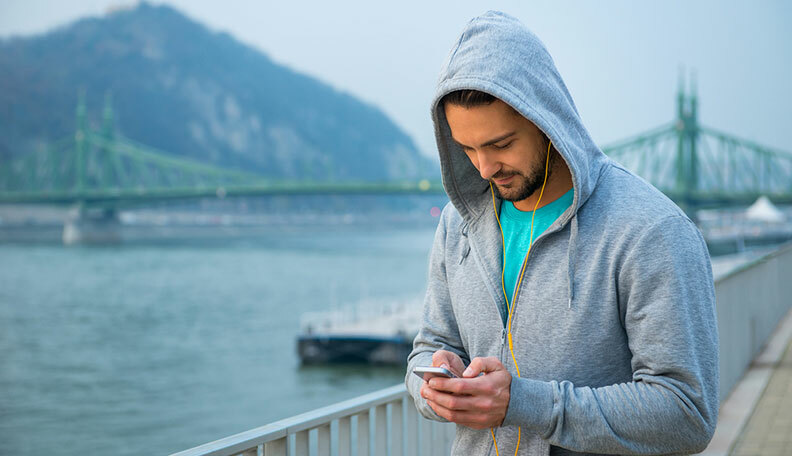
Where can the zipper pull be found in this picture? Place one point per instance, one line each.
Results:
(503, 337)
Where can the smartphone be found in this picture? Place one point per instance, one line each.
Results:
(427, 372)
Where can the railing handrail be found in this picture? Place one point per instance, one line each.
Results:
(750, 264)
(305, 421)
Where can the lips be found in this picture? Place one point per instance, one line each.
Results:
(503, 180)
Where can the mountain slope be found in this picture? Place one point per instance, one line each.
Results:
(183, 89)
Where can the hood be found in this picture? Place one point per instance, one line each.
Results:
(498, 55)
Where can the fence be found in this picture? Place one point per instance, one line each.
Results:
(751, 302)
(384, 422)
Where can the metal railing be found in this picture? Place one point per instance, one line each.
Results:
(751, 299)
(384, 422)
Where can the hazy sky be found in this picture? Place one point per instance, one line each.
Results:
(620, 59)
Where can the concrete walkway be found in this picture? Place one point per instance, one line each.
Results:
(756, 417)
(769, 430)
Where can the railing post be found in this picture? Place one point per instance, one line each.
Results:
(323, 440)
(301, 446)
(363, 434)
(411, 431)
(276, 447)
(344, 436)
(381, 430)
(425, 429)
(397, 427)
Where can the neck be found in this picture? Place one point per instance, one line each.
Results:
(559, 182)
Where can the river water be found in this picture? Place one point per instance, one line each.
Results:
(150, 348)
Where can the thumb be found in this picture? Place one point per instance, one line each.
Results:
(482, 365)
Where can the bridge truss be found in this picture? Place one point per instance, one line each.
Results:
(696, 166)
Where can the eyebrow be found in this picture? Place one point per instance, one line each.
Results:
(488, 143)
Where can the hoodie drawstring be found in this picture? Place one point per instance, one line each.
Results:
(467, 242)
(573, 235)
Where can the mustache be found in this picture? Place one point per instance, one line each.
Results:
(503, 175)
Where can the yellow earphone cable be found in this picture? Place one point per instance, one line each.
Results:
(519, 283)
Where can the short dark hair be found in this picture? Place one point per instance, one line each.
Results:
(467, 98)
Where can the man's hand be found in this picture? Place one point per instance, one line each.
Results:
(478, 402)
(449, 360)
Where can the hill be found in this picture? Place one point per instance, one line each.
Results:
(181, 88)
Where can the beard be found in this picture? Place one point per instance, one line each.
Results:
(523, 185)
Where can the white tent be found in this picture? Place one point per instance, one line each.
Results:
(765, 211)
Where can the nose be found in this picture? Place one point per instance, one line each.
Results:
(487, 167)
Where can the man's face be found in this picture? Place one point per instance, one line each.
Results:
(506, 148)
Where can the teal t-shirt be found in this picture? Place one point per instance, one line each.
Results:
(516, 226)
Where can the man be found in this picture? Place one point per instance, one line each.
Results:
(574, 299)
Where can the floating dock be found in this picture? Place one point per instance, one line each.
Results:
(371, 335)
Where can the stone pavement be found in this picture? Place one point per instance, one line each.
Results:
(769, 429)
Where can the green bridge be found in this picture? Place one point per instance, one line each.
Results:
(98, 172)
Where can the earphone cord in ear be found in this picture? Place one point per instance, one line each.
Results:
(519, 283)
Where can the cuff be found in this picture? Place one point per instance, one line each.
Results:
(530, 405)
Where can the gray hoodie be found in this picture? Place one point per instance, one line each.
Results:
(614, 326)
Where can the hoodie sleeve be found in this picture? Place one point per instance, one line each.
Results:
(666, 288)
(439, 329)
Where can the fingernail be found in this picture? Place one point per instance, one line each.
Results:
(444, 366)
(467, 372)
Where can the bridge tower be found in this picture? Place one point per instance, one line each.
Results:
(85, 224)
(79, 143)
(687, 131)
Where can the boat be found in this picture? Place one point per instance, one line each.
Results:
(380, 335)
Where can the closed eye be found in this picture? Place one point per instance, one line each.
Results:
(502, 146)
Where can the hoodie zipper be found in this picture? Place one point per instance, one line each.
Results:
(524, 268)
(503, 344)
(504, 332)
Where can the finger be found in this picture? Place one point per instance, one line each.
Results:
(448, 357)
(483, 365)
(459, 403)
(449, 360)
(439, 357)
(441, 411)
(472, 419)
(461, 386)
(490, 385)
